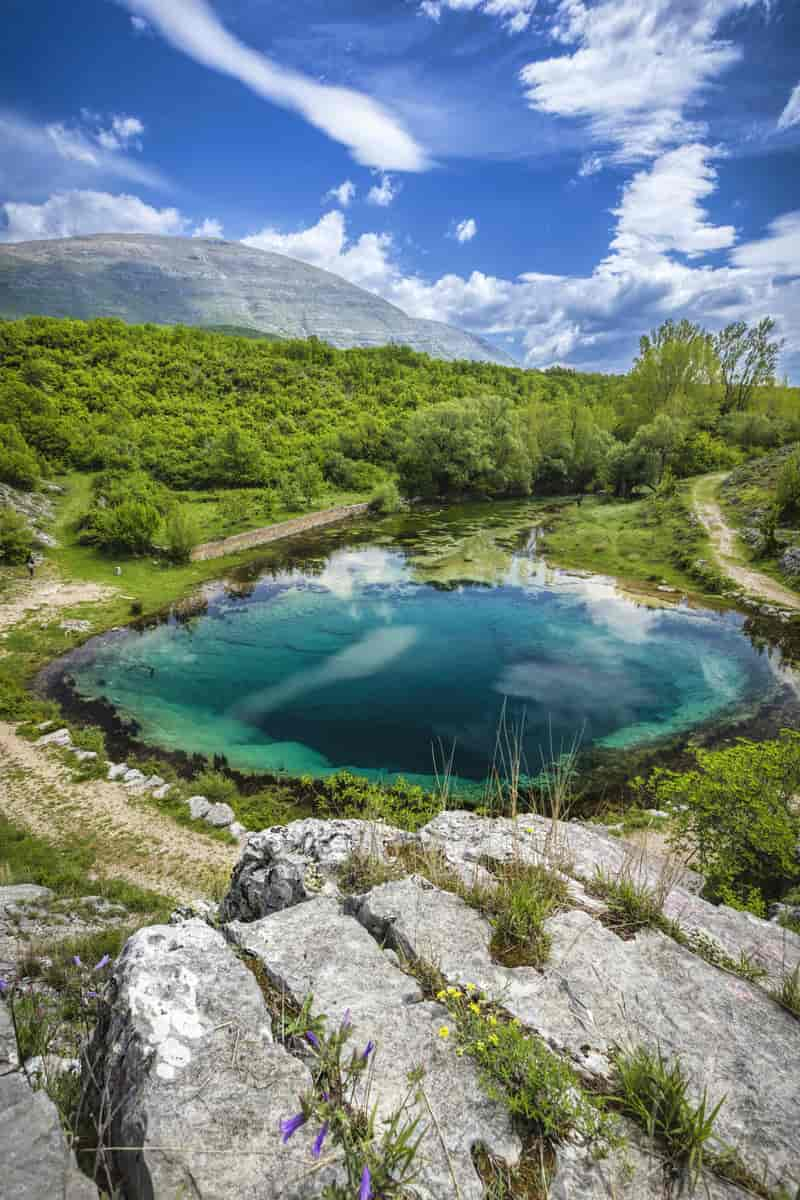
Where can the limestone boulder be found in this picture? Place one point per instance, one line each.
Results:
(198, 1085)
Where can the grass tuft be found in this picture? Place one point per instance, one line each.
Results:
(655, 1094)
(527, 894)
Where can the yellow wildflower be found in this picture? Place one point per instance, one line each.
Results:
(480, 1045)
(470, 987)
(476, 1008)
(492, 1019)
(441, 995)
(444, 1033)
(494, 1039)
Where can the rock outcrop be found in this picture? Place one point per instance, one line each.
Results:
(194, 1058)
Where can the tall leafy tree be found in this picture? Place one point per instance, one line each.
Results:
(674, 361)
(748, 358)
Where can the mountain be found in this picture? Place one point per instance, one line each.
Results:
(205, 282)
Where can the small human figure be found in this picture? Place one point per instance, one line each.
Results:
(30, 563)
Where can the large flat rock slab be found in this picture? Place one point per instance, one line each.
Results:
(198, 1084)
(315, 948)
(580, 850)
(598, 992)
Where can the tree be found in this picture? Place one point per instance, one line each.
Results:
(735, 813)
(16, 537)
(674, 361)
(181, 533)
(235, 458)
(747, 360)
(19, 465)
(466, 446)
(787, 487)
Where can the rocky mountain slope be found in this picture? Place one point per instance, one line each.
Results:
(213, 1073)
(168, 281)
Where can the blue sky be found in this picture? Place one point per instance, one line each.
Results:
(557, 175)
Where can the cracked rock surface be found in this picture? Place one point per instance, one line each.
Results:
(200, 1086)
(315, 948)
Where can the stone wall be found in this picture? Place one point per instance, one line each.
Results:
(273, 533)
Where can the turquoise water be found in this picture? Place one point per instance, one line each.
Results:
(379, 648)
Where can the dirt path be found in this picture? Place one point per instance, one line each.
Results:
(723, 543)
(45, 595)
(132, 839)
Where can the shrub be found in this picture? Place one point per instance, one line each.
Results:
(735, 814)
(386, 498)
(19, 465)
(16, 537)
(787, 487)
(216, 787)
(181, 534)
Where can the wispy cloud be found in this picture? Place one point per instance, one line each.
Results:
(791, 113)
(373, 135)
(590, 165)
(515, 14)
(67, 154)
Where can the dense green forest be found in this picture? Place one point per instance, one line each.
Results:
(151, 410)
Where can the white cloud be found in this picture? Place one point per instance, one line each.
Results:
(590, 165)
(365, 262)
(344, 194)
(776, 254)
(651, 272)
(661, 211)
(384, 193)
(515, 14)
(374, 136)
(791, 113)
(210, 228)
(637, 66)
(466, 230)
(77, 213)
(123, 133)
(139, 25)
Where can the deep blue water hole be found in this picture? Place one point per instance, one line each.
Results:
(411, 634)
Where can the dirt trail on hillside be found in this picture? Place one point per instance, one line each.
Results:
(45, 595)
(723, 544)
(132, 839)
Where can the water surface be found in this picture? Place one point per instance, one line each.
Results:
(363, 649)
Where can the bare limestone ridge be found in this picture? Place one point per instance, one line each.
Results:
(201, 1065)
(209, 282)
